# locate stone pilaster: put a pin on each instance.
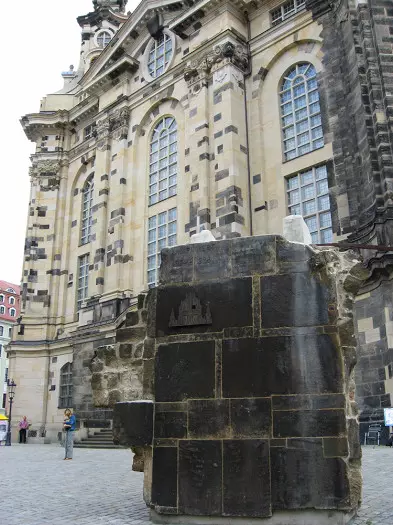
(100, 208)
(199, 156)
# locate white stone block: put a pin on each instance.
(203, 236)
(296, 230)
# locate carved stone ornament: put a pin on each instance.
(119, 121)
(103, 128)
(45, 168)
(227, 53)
(190, 313)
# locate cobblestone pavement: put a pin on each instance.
(99, 487)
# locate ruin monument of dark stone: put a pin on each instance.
(233, 383)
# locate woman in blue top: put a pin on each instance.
(69, 426)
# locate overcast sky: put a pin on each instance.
(42, 39)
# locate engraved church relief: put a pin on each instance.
(190, 313)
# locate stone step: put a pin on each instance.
(101, 439)
(97, 441)
(96, 445)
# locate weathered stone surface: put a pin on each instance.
(251, 417)
(208, 419)
(253, 383)
(246, 476)
(185, 371)
(200, 478)
(304, 479)
(170, 425)
(307, 300)
(304, 364)
(133, 423)
(164, 485)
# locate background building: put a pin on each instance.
(9, 313)
(187, 115)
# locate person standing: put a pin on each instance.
(23, 428)
(69, 426)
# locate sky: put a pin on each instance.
(42, 39)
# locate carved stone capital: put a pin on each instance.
(227, 53)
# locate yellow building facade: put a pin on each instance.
(181, 116)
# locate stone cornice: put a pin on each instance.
(106, 77)
(34, 123)
(84, 110)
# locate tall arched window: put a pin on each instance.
(12, 312)
(87, 212)
(65, 394)
(11, 300)
(1, 330)
(300, 111)
(163, 160)
(160, 55)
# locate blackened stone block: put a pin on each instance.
(246, 477)
(170, 425)
(292, 257)
(260, 367)
(177, 264)
(251, 417)
(133, 423)
(200, 478)
(304, 479)
(253, 255)
(208, 418)
(164, 484)
(207, 307)
(335, 447)
(184, 371)
(298, 299)
(308, 402)
(212, 260)
(308, 423)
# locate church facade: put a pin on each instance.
(201, 114)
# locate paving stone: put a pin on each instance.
(99, 487)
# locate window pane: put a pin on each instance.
(289, 132)
(322, 186)
(308, 192)
(293, 183)
(312, 223)
(293, 197)
(295, 210)
(321, 172)
(164, 234)
(309, 207)
(323, 203)
(327, 236)
(306, 177)
(325, 220)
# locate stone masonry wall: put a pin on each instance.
(253, 383)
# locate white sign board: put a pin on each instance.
(388, 417)
(3, 430)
